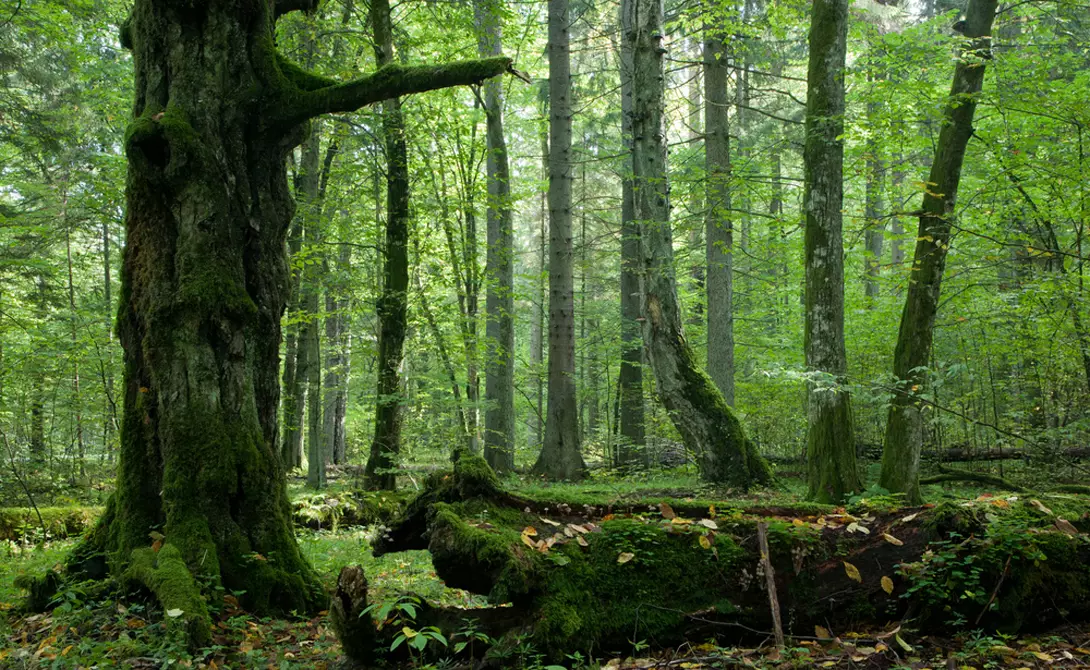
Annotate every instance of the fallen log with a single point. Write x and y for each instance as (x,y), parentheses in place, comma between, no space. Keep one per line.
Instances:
(952,475)
(580,579)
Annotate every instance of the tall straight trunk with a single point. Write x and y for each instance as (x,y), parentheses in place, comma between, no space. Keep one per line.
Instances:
(444,355)
(109,418)
(393,305)
(830,443)
(560,457)
(499,381)
(695,103)
(77,399)
(743,62)
(875,226)
(37,390)
(537,334)
(308,369)
(896,227)
(719,234)
(905,427)
(335,383)
(706,423)
(203,288)
(630,420)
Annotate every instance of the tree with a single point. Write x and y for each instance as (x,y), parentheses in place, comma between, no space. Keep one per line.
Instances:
(912,354)
(203,289)
(560,456)
(830,442)
(499,381)
(706,423)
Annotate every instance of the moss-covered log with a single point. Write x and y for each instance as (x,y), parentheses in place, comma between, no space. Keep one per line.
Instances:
(580,579)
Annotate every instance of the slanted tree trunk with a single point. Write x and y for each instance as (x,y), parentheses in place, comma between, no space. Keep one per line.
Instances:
(719,235)
(696,407)
(830,440)
(904,429)
(499,380)
(204,285)
(560,456)
(630,412)
(393,305)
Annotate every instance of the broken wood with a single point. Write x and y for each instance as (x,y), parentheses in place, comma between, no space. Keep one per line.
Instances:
(770,583)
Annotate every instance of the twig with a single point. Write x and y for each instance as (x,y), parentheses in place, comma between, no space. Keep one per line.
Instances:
(995,592)
(770,582)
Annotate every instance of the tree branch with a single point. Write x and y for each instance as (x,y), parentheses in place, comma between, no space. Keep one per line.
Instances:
(311,98)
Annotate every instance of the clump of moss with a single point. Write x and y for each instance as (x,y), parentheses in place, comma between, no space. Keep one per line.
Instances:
(166,575)
(17,523)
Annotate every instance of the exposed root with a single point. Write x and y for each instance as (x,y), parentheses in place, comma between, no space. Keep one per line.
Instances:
(166,575)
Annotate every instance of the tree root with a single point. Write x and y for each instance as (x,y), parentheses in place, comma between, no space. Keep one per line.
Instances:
(166,575)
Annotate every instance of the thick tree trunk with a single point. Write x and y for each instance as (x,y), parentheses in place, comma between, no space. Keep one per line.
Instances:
(204,285)
(706,423)
(560,456)
(905,427)
(830,439)
(499,382)
(393,305)
(630,418)
(719,235)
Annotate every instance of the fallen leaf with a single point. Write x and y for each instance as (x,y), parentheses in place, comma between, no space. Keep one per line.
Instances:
(853,572)
(1000,503)
(798,522)
(708,523)
(705,542)
(887,585)
(625,557)
(678,521)
(1042,656)
(904,645)
(549,521)
(174,613)
(528,542)
(880,647)
(892,540)
(1066,526)
(666,511)
(529,530)
(1039,506)
(855,527)
(579,539)
(910,517)
(822,633)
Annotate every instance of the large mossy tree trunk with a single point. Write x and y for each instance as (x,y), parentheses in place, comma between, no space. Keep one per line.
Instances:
(204,285)
(719,235)
(830,443)
(393,305)
(499,380)
(630,419)
(560,456)
(706,423)
(905,427)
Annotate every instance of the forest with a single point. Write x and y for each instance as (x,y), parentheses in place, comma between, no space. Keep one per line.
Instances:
(544,334)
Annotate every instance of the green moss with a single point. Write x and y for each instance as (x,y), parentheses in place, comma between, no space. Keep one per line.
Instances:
(166,575)
(17,523)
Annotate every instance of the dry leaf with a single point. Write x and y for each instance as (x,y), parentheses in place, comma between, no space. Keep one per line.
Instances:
(1039,506)
(855,527)
(822,633)
(887,585)
(666,511)
(1066,526)
(529,530)
(577,528)
(853,572)
(708,523)
(798,522)
(705,542)
(625,557)
(579,539)
(892,540)
(910,517)
(678,521)
(904,645)
(1041,656)
(528,542)
(549,521)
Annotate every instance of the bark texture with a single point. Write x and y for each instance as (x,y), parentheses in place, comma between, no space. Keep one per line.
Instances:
(560,456)
(830,441)
(499,381)
(204,285)
(905,427)
(706,423)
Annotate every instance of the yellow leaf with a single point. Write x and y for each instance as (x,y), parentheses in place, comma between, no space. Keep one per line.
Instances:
(409,633)
(892,540)
(904,645)
(822,633)
(880,647)
(853,572)
(666,511)
(625,557)
(1041,656)
(678,521)
(887,585)
(529,530)
(528,542)
(705,542)
(798,522)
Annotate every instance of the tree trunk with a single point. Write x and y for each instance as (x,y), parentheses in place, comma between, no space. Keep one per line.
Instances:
(393,305)
(73,318)
(335,384)
(830,439)
(109,419)
(717,222)
(696,407)
(537,332)
(630,450)
(904,429)
(204,285)
(875,225)
(560,456)
(499,382)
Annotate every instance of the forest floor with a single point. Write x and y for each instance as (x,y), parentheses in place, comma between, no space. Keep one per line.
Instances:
(94,627)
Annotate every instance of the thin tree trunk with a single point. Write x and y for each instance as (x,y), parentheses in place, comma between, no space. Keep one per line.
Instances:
(335,384)
(719,234)
(560,456)
(872,211)
(537,336)
(109,419)
(630,420)
(905,427)
(697,409)
(392,307)
(830,440)
(73,317)
(499,384)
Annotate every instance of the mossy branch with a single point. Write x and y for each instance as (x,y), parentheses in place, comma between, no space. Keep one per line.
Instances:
(950,475)
(314,95)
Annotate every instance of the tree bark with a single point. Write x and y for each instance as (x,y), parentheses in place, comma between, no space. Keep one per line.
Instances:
(335,384)
(499,382)
(204,285)
(560,456)
(630,450)
(706,423)
(719,234)
(830,440)
(393,305)
(872,211)
(904,429)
